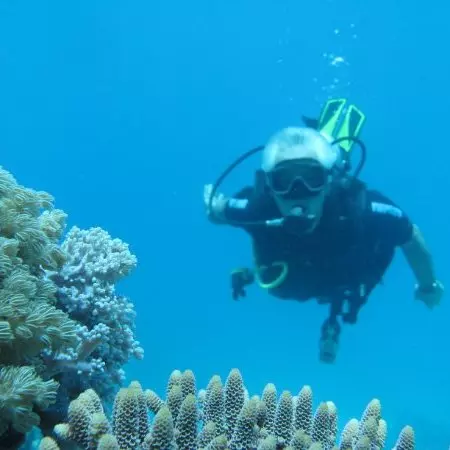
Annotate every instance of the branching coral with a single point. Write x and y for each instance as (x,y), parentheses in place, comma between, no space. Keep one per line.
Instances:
(86,291)
(221,417)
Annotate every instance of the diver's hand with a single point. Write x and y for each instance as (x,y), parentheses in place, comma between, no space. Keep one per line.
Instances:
(240,278)
(430,295)
(216,212)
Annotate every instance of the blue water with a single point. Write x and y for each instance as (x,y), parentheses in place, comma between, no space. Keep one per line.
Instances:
(123,110)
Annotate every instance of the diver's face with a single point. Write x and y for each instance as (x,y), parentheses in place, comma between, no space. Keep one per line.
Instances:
(299,184)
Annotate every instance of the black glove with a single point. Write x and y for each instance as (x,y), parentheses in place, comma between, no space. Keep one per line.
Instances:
(240,278)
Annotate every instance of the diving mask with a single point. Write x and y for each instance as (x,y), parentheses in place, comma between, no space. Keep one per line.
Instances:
(297,179)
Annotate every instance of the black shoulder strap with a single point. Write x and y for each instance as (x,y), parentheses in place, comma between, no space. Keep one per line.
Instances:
(349,199)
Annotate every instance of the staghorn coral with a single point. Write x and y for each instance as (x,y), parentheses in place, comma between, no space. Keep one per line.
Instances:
(48,444)
(284,418)
(89,428)
(202,421)
(269,399)
(86,291)
(406,440)
(234,400)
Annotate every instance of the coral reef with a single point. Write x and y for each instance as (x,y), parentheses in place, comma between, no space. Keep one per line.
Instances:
(221,417)
(64,330)
(62,327)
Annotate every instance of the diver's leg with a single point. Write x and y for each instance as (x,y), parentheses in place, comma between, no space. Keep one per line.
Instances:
(354,305)
(330,332)
(329,340)
(355,302)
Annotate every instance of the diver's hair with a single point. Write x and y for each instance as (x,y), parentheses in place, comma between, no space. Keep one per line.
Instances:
(299,142)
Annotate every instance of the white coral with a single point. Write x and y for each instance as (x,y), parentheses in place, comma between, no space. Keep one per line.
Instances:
(86,290)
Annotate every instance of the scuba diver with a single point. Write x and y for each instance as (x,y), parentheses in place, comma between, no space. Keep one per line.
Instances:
(318,232)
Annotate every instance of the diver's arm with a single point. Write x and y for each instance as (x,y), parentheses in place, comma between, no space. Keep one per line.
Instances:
(215,209)
(217,212)
(420,260)
(231,210)
(400,231)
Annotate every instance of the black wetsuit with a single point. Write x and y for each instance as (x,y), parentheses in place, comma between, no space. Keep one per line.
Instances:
(342,260)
